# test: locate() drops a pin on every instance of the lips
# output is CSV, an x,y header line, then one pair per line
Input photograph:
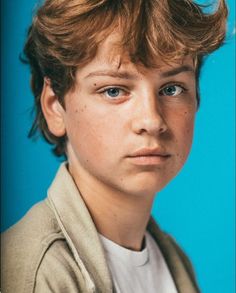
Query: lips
x,y
149,156
150,152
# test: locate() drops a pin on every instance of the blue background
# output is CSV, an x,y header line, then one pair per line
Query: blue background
x,y
197,207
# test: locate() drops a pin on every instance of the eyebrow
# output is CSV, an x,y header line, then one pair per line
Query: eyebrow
x,y
177,70
127,75
115,74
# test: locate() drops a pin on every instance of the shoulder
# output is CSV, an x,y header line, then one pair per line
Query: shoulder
x,y
38,223
24,245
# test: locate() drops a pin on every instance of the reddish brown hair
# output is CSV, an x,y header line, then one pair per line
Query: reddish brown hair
x,y
65,35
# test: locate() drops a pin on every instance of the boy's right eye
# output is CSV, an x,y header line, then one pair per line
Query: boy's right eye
x,y
113,92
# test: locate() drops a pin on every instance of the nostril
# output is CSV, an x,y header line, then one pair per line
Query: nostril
x,y
162,129
149,126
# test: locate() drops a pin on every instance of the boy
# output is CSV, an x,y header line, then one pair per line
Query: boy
x,y
115,86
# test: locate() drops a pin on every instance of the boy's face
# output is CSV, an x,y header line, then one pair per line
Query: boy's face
x,y
130,127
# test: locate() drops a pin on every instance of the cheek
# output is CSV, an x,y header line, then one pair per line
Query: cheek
x,y
186,138
91,134
183,133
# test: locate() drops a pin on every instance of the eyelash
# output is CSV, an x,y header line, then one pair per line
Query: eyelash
x,y
113,87
183,89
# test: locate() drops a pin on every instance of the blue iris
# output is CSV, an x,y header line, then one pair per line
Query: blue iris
x,y
113,92
172,90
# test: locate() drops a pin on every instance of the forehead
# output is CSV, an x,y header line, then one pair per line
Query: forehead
x,y
112,57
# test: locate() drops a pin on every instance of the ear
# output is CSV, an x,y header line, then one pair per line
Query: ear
x,y
52,109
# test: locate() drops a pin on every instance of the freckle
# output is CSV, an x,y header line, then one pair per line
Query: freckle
x,y
94,84
76,110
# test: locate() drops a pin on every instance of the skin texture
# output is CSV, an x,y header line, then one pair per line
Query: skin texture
x,y
151,108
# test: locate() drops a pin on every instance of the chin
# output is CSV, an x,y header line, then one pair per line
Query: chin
x,y
147,186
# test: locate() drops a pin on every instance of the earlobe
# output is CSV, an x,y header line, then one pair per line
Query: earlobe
x,y
52,109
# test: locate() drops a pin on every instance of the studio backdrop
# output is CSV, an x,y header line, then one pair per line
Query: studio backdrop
x,y
197,207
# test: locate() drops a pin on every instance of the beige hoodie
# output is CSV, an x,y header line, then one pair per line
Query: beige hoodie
x,y
56,248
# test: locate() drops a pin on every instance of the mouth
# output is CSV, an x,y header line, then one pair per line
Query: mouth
x,y
148,156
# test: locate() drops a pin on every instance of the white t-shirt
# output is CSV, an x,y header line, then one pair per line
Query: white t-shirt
x,y
138,271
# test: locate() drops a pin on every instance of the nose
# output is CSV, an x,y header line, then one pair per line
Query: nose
x,y
149,118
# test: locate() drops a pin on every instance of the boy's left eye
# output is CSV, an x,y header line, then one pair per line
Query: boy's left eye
x,y
172,90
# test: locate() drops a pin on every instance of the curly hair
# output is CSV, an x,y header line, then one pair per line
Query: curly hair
x,y
65,35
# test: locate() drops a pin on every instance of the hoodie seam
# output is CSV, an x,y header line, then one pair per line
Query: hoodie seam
x,y
87,278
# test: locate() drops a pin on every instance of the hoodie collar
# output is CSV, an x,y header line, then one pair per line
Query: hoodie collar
x,y
79,230
177,262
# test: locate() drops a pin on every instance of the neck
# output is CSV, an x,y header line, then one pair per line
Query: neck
x,y
118,216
